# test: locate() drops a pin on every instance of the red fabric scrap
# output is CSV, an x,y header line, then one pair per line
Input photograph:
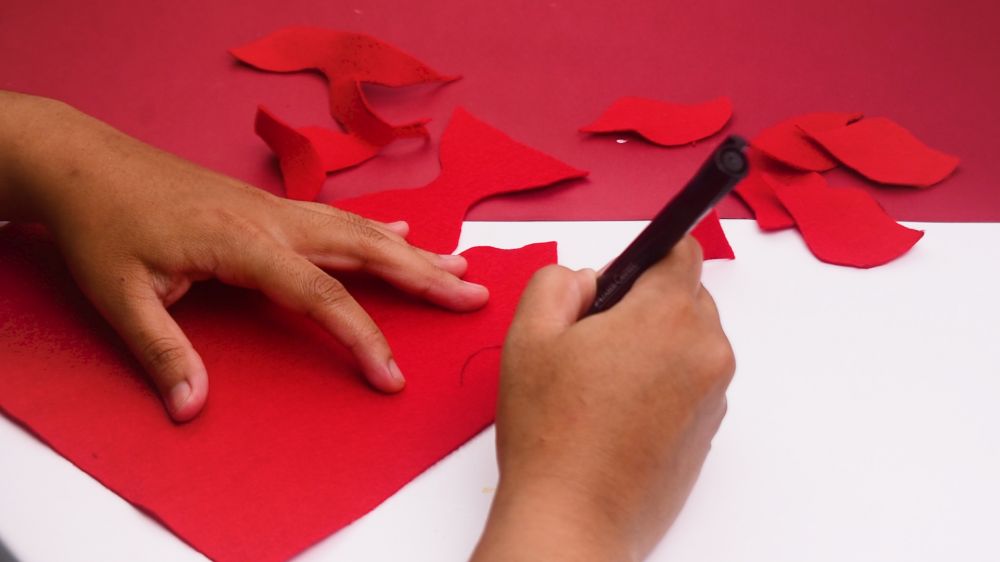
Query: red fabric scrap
x,y
757,191
844,225
709,233
477,161
306,155
786,143
883,151
348,60
664,123
292,444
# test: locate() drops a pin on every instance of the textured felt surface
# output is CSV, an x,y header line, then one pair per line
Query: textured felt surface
x,y
306,155
757,191
347,60
843,225
477,161
883,151
786,143
664,123
292,444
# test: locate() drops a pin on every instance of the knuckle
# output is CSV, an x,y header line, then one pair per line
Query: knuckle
x,y
719,360
164,354
552,273
327,292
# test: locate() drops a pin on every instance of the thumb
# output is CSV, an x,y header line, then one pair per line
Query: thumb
x,y
176,369
555,298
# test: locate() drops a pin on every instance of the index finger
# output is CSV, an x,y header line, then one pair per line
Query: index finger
x,y
679,270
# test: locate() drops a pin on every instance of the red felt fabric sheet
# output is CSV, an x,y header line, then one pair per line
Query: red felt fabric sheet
x,y
844,225
786,143
292,444
885,152
347,60
664,123
306,155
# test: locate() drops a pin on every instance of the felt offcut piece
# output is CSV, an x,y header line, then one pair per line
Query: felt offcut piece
x,y
844,225
306,155
714,244
664,123
477,161
292,444
348,60
757,191
884,152
786,143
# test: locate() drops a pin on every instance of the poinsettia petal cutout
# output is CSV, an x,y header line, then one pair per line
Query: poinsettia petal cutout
x,y
757,191
885,152
786,143
306,155
347,60
477,161
664,123
709,233
844,225
290,427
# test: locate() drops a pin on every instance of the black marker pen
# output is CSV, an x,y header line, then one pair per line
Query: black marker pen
x,y
725,167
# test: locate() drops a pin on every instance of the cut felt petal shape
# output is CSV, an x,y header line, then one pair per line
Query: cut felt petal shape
x,y
347,60
844,225
306,155
757,191
885,152
477,161
290,429
664,123
709,233
786,143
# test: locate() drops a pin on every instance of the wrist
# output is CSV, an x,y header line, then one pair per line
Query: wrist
x,y
29,126
550,519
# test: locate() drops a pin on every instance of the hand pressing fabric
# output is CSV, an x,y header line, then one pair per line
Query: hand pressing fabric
x,y
604,422
137,226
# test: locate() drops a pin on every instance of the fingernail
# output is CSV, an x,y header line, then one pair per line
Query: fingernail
x,y
398,226
476,286
395,373
179,395
451,258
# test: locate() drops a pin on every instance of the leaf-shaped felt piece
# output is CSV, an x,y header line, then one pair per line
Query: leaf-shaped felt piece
x,y
306,155
664,123
709,233
757,191
347,60
844,225
477,161
786,143
292,444
883,151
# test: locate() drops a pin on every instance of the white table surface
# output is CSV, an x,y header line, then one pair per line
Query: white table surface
x,y
863,422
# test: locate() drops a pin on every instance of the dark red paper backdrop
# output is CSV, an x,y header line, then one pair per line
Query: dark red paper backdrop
x,y
537,70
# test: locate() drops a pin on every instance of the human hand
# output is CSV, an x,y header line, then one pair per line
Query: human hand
x,y
604,422
138,226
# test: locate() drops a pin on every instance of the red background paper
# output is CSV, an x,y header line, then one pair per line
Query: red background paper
x,y
252,478
537,71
